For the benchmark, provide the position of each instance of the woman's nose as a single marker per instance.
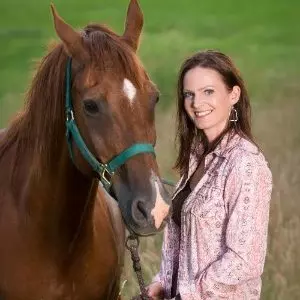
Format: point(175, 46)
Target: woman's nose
point(196, 102)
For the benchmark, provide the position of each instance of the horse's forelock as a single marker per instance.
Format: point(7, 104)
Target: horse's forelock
point(107, 50)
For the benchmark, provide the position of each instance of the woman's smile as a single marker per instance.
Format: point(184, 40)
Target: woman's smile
point(202, 113)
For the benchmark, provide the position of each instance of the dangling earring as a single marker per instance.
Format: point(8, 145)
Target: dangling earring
point(234, 117)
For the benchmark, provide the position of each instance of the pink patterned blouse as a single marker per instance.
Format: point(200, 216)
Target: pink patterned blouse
point(220, 248)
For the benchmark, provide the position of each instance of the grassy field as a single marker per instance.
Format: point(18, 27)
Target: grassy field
point(263, 37)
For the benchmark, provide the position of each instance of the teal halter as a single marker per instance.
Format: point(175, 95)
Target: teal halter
point(104, 171)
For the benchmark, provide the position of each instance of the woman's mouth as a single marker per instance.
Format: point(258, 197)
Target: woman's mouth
point(203, 113)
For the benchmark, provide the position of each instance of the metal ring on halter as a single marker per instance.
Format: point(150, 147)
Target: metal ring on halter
point(132, 241)
point(106, 175)
point(70, 115)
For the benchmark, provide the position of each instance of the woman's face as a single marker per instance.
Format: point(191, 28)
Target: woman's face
point(207, 100)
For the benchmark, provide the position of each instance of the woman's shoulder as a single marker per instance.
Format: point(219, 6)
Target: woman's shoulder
point(248, 166)
point(245, 154)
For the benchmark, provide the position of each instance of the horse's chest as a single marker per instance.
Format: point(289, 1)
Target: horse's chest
point(53, 290)
point(31, 269)
point(89, 279)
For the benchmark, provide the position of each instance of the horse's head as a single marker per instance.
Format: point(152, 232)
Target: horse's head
point(113, 103)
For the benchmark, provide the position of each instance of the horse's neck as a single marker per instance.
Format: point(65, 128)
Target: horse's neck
point(60, 202)
point(59, 219)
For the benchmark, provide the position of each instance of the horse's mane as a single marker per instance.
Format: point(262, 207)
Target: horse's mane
point(40, 125)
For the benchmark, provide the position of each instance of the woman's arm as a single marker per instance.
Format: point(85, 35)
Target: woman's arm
point(247, 196)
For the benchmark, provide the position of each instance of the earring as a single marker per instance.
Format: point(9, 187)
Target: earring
point(235, 115)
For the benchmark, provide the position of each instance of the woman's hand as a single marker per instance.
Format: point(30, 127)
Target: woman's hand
point(155, 290)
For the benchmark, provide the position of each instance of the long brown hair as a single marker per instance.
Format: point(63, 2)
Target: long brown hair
point(187, 134)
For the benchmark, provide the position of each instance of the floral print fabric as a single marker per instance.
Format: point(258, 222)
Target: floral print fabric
point(220, 248)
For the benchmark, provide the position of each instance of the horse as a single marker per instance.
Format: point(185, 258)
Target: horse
point(84, 139)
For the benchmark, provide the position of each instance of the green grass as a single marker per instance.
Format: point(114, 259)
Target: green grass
point(263, 38)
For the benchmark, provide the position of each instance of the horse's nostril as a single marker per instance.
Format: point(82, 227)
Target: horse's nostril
point(139, 214)
point(141, 208)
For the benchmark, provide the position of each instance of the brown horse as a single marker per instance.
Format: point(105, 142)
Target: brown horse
point(60, 236)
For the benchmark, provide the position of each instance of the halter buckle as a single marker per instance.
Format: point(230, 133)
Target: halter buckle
point(106, 176)
point(70, 115)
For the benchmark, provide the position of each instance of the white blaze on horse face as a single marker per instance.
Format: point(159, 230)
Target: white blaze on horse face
point(161, 208)
point(129, 90)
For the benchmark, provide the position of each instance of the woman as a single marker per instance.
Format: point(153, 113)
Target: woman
point(215, 243)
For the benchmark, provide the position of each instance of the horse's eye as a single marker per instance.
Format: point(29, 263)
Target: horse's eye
point(155, 97)
point(91, 107)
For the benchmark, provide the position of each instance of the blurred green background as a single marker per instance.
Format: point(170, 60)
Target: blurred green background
point(262, 37)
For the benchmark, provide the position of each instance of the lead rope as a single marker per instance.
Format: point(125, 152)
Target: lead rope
point(132, 244)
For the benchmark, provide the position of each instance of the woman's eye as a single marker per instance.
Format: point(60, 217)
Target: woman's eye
point(156, 97)
point(208, 92)
point(188, 95)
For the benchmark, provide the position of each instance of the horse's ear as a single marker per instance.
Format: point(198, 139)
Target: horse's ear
point(71, 39)
point(134, 24)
